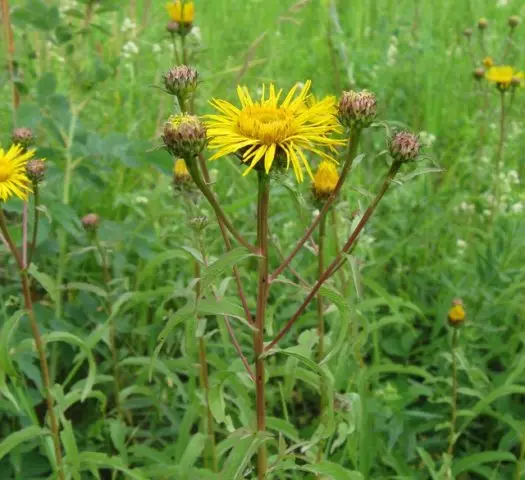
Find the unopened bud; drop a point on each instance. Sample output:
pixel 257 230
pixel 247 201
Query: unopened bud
pixel 488 62
pixel 184 136
pixel 90 222
pixel 325 180
pixel 404 147
pixel 172 27
pixel 517 80
pixel 479 73
pixel 36 169
pixel 513 21
pixel 467 32
pixel 456 315
pixel 357 109
pixel 180 172
pixel 181 80
pixel 23 136
pixel 182 12
pixel 199 223
pixel 483 23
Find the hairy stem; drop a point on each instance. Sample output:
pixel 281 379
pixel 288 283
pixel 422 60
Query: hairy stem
pixel 262 296
pixel 352 151
pixel 39 343
pixel 454 374
pixel 336 262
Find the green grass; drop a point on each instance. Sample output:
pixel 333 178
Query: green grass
pixel 98 119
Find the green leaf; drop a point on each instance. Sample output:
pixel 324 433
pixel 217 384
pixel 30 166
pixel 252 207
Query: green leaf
pixel 19 437
pixel 333 471
pixel 429 463
pixel 47 85
pixel 71 449
pixel 46 281
pixel 193 451
pixel 466 463
pixel 95 460
pixel 224 263
pixel 152 265
pixel 241 455
pixel 117 431
pixel 344 312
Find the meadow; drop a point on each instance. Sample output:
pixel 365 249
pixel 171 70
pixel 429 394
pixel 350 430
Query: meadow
pixel 168 316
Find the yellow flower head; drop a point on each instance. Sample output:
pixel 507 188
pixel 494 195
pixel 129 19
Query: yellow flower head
pixel 180 171
pixel 181 12
pixel 503 76
pixel 269 129
pixel 456 315
pixel 488 62
pixel 325 179
pixel 13 176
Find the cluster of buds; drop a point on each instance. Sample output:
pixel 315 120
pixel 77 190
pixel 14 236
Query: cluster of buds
pixel 91 222
pixel 184 136
pixel 404 147
pixel 182 14
pixel 357 109
pixel 456 315
pixel 325 180
pixel 181 81
pixel 35 170
pixel 23 136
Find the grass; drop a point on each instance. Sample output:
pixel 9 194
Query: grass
pixel 98 120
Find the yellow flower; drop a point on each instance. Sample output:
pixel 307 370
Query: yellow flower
pixel 13 177
pixel 325 179
pixel 502 76
pixel 180 171
pixel 456 315
pixel 270 129
pixel 488 62
pixel 181 12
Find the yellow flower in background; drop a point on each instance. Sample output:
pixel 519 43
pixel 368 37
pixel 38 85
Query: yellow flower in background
pixel 503 76
pixel 488 62
pixel 13 176
pixel 269 129
pixel 456 315
pixel 181 12
pixel 325 179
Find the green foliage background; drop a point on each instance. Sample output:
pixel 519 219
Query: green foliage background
pixel 98 121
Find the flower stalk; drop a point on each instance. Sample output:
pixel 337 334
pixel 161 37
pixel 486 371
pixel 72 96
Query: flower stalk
pixel 454 375
pixel 39 343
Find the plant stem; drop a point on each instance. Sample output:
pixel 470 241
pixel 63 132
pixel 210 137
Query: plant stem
pixel 320 313
pixel 352 151
pixel 184 50
pixel 262 295
pixel 40 347
pixel 517 475
pixel 10 44
pixel 336 262
pixel 209 195
pixel 452 440
pixel 36 218
pixel 499 155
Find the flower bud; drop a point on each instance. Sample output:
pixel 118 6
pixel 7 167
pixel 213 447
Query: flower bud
pixel 513 21
pixel 181 174
pixel 479 73
pixel 483 23
pixel 404 147
pixel 181 80
pixel 325 180
pixel 23 136
pixel 182 12
pixel 517 80
pixel 172 27
pixel 184 136
pixel 467 32
pixel 199 223
pixel 36 169
pixel 90 222
pixel 357 109
pixel 456 315
pixel 488 62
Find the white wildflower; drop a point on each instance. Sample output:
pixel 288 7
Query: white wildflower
pixel 129 49
pixel 128 25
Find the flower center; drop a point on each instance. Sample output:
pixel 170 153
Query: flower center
pixel 5 171
pixel 267 124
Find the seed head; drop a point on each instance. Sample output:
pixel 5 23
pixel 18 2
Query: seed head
pixel 36 169
pixel 90 222
pixel 23 136
pixel 456 315
pixel 479 73
pixel 184 136
pixel 483 23
pixel 357 109
pixel 325 180
pixel 513 21
pixel 467 32
pixel 404 147
pixel 181 80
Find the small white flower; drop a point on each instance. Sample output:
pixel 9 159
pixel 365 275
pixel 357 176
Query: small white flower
pixel 315 214
pixel 427 138
pixel 130 48
pixel 461 244
pixel 156 48
pixel 196 34
pixel 128 25
pixel 140 200
pixel 502 3
pixel 391 54
pixel 517 207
